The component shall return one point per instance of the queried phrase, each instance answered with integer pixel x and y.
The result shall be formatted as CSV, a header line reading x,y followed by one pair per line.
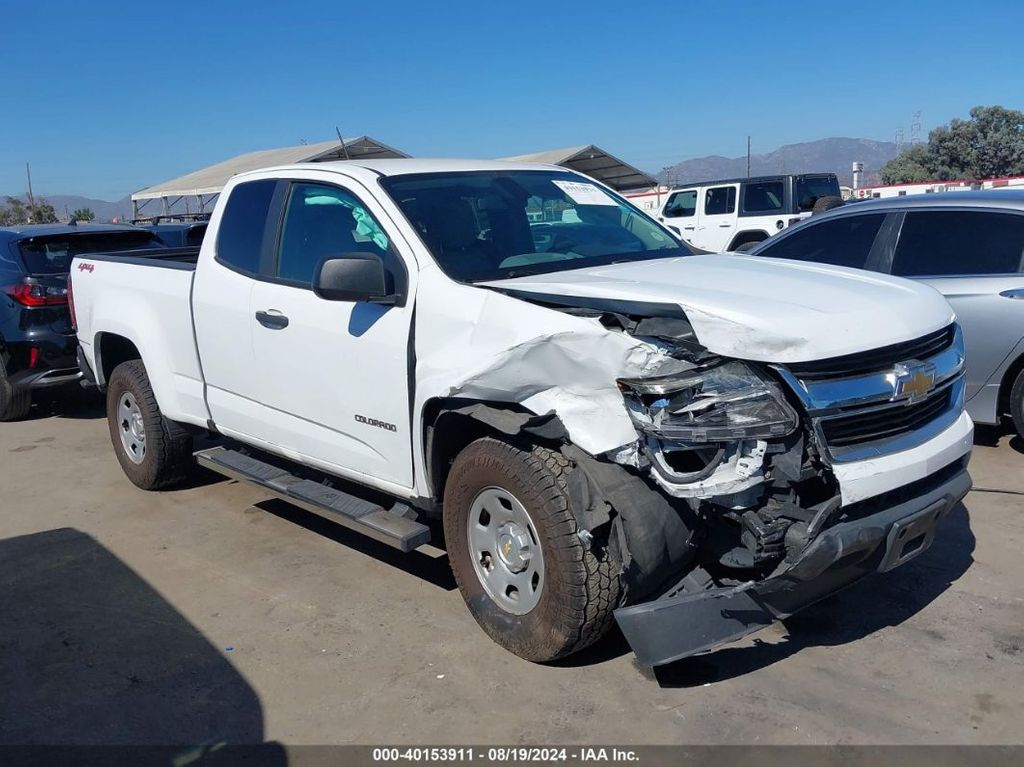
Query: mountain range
x,y
834,155
830,155
64,204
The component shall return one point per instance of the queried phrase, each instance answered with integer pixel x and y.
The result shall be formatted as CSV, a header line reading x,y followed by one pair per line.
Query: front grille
x,y
875,360
883,423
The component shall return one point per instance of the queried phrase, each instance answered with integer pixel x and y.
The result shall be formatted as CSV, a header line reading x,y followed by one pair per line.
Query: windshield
x,y
52,254
810,188
487,225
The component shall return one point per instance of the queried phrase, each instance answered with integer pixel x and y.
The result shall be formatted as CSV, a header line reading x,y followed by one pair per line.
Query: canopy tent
x,y
594,162
206,183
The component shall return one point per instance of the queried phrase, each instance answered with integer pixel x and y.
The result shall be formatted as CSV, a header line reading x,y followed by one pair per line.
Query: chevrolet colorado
x,y
514,361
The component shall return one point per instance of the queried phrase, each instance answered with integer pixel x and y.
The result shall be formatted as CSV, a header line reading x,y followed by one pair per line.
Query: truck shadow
x,y
91,655
875,603
433,570
71,402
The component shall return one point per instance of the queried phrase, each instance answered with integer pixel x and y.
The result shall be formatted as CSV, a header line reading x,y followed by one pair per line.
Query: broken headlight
x,y
723,403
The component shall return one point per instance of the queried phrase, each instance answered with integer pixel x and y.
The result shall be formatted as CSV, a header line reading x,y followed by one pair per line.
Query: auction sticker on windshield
x,y
582,193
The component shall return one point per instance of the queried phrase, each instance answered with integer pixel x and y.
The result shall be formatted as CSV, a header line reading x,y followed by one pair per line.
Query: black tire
x,y
746,247
826,203
167,459
1017,403
14,403
581,586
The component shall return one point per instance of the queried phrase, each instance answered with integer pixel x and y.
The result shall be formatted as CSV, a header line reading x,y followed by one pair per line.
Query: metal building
x,y
594,162
205,184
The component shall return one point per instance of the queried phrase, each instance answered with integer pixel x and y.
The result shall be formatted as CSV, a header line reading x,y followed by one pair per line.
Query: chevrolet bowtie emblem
x,y
912,380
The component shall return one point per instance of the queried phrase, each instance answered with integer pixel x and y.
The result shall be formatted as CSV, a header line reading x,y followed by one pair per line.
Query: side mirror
x,y
359,277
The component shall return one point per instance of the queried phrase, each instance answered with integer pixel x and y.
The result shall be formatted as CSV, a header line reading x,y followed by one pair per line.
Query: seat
x,y
449,226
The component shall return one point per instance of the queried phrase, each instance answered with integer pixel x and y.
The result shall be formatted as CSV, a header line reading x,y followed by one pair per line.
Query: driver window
x,y
322,221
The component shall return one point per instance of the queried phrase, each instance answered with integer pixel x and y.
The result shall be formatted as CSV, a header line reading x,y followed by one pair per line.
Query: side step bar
x,y
392,526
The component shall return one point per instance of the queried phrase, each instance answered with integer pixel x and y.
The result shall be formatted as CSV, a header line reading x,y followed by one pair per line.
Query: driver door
x,y
680,213
333,375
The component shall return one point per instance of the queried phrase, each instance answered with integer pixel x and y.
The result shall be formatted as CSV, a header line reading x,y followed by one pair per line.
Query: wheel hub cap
x,y
507,556
514,547
131,428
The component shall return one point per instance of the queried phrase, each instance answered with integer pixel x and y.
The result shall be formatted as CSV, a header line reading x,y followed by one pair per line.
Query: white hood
x,y
770,310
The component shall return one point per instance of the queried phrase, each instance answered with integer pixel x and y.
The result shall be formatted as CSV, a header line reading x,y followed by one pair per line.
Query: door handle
x,y
272,319
1013,293
725,226
689,228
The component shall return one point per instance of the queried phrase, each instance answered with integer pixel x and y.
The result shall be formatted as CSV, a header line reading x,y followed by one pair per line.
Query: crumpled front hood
x,y
770,310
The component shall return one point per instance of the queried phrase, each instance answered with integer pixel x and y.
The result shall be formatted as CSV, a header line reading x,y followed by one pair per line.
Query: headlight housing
x,y
723,403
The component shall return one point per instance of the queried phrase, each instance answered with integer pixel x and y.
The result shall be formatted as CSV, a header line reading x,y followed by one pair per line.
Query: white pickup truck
x,y
513,362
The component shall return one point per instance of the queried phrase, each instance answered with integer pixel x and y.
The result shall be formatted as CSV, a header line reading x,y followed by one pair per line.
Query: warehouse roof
x,y
594,162
211,180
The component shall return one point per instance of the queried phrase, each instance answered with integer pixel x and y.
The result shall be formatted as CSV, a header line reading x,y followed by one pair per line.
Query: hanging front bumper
x,y
878,539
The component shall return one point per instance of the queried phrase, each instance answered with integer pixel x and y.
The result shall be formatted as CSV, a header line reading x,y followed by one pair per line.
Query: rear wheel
x,y
14,403
154,452
528,579
1017,403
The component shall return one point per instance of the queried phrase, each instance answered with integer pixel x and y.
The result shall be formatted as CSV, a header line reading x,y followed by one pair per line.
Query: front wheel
x,y
528,579
154,452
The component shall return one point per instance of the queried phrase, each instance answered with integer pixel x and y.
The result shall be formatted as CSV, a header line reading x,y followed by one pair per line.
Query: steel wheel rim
x,y
131,427
505,549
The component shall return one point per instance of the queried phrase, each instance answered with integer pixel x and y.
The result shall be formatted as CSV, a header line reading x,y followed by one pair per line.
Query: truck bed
x,y
168,258
144,295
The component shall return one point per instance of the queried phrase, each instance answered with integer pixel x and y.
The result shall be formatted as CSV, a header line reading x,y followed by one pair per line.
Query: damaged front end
x,y
731,492
738,460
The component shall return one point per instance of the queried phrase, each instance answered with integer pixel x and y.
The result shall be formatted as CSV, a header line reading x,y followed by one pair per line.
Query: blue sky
x,y
109,100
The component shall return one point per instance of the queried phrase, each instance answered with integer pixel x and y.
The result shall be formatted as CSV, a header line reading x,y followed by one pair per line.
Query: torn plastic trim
x,y
648,533
675,627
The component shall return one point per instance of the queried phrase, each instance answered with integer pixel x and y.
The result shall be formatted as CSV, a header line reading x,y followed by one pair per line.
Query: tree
x,y
988,145
83,214
42,212
909,166
13,212
17,211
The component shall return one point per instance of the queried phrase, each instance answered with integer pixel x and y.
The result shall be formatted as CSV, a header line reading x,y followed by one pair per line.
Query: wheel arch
x,y
111,350
748,235
1006,384
451,423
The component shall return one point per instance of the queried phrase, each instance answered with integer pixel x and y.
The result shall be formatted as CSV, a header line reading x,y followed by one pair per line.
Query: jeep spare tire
x,y
826,203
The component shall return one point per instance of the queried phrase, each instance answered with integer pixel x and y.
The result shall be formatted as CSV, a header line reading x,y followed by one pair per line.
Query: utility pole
x,y
667,170
915,128
28,174
748,156
31,199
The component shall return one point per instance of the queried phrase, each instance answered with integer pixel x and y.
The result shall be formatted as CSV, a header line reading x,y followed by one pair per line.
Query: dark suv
x,y
178,234
37,343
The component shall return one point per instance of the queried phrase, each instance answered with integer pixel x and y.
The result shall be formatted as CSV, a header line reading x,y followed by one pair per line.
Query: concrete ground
x,y
214,614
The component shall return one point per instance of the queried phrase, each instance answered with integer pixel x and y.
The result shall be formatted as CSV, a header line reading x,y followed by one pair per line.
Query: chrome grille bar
x,y
862,415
